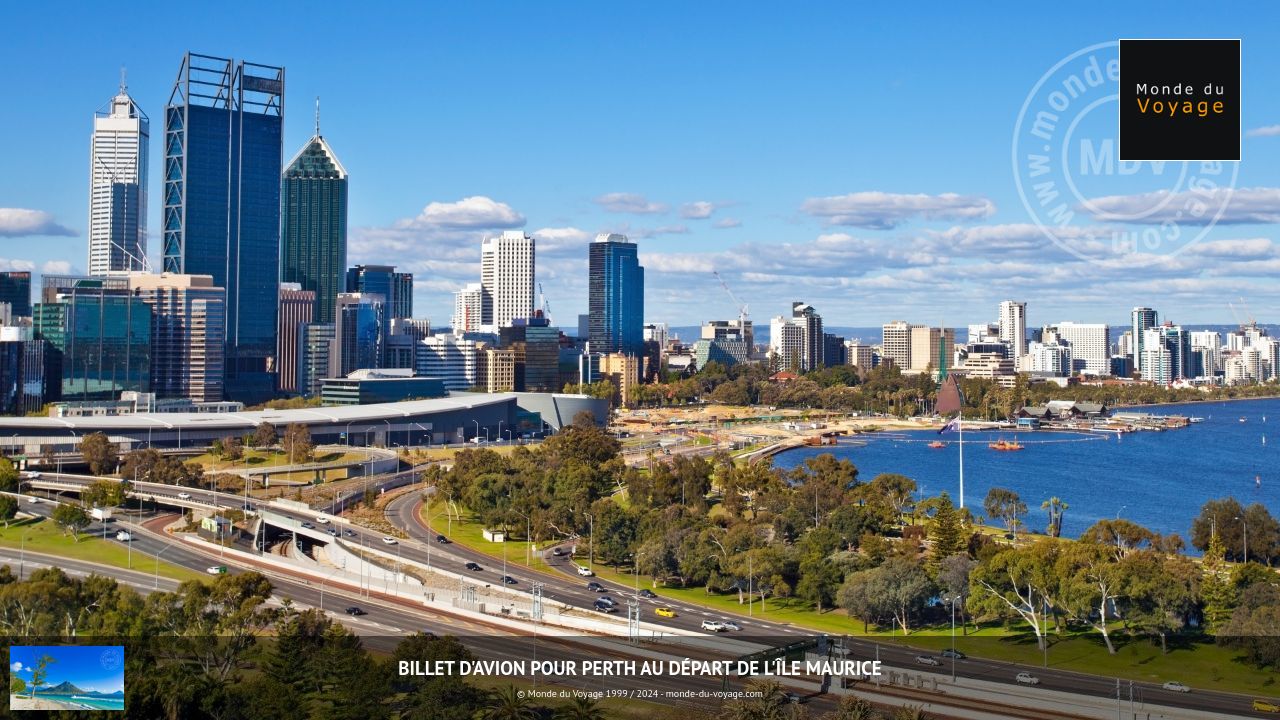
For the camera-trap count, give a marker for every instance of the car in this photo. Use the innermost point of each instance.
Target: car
(712, 626)
(248, 507)
(353, 610)
(474, 567)
(442, 540)
(34, 500)
(927, 660)
(216, 569)
(322, 520)
(1176, 686)
(557, 552)
(730, 625)
(648, 594)
(33, 475)
(349, 533)
(1266, 706)
(584, 571)
(308, 526)
(795, 698)
(949, 653)
(510, 580)
(184, 496)
(665, 612)
(594, 586)
(1026, 678)
(124, 536)
(606, 599)
(604, 607)
(388, 540)
(333, 532)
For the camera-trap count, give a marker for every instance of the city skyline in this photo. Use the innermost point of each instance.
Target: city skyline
(804, 186)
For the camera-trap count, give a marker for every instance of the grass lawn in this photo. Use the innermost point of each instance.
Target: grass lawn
(266, 458)
(46, 537)
(420, 455)
(468, 533)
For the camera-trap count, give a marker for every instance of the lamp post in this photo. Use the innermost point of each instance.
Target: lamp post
(324, 580)
(591, 541)
(1245, 523)
(22, 555)
(162, 552)
(477, 422)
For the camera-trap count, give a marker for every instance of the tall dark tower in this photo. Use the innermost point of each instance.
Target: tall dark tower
(615, 287)
(313, 223)
(222, 162)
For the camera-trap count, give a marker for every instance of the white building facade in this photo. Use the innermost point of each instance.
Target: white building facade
(118, 187)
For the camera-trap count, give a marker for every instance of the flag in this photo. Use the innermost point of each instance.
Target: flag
(952, 426)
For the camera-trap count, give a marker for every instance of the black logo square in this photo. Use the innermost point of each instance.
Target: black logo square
(1180, 100)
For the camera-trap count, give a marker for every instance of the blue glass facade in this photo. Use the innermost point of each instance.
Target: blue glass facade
(313, 225)
(360, 337)
(223, 157)
(615, 300)
(102, 334)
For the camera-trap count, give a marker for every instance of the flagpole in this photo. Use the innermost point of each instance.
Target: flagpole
(960, 427)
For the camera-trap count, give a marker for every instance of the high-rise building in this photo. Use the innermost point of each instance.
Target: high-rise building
(786, 343)
(730, 330)
(468, 308)
(1013, 327)
(15, 289)
(537, 354)
(359, 335)
(222, 170)
(623, 371)
(452, 358)
(1168, 348)
(313, 223)
(402, 344)
(498, 370)
(1141, 318)
(101, 332)
(1051, 359)
(895, 343)
(657, 333)
(118, 186)
(315, 347)
(615, 295)
(395, 289)
(859, 354)
(1208, 344)
(931, 347)
(188, 327)
(1090, 345)
(297, 308)
(507, 265)
(833, 351)
(797, 341)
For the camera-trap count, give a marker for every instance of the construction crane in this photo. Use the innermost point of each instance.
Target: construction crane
(542, 300)
(742, 308)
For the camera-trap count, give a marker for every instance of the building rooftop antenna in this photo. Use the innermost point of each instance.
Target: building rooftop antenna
(317, 116)
(124, 86)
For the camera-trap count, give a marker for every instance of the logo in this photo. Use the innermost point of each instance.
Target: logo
(111, 658)
(1077, 190)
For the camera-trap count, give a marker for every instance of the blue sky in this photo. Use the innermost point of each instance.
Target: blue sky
(805, 152)
(92, 668)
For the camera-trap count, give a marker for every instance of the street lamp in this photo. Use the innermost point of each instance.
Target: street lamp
(1245, 523)
(477, 422)
(324, 580)
(22, 554)
(162, 552)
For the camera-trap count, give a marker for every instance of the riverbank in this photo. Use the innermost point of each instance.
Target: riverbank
(26, 702)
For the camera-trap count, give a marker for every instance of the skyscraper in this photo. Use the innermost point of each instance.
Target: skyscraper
(895, 347)
(359, 335)
(395, 290)
(313, 223)
(1013, 327)
(468, 308)
(101, 332)
(506, 273)
(315, 346)
(222, 171)
(15, 289)
(1142, 318)
(297, 308)
(118, 186)
(615, 302)
(188, 327)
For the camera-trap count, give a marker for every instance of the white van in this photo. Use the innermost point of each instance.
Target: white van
(584, 571)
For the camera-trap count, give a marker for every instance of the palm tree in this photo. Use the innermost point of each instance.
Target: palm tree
(767, 702)
(910, 712)
(1056, 508)
(855, 708)
(581, 708)
(508, 704)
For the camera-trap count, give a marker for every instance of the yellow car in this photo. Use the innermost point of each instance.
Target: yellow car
(1266, 706)
(665, 612)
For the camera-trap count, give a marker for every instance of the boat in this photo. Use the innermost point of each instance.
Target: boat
(1195, 420)
(937, 444)
(1005, 445)
(1244, 420)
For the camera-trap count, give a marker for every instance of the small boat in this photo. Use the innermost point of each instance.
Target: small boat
(937, 444)
(1005, 445)
(1244, 420)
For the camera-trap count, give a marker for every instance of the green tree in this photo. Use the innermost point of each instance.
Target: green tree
(16, 685)
(853, 707)
(819, 581)
(233, 448)
(897, 589)
(764, 700)
(1018, 581)
(891, 491)
(506, 703)
(1123, 536)
(1056, 508)
(71, 518)
(99, 452)
(297, 443)
(1218, 596)
(9, 476)
(40, 673)
(8, 508)
(581, 708)
(104, 493)
(946, 533)
(264, 435)
(1005, 506)
(1160, 593)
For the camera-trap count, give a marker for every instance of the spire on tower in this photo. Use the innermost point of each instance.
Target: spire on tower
(124, 86)
(317, 116)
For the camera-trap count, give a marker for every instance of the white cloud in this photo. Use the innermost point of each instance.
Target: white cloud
(1199, 207)
(1249, 249)
(16, 666)
(699, 210)
(560, 241)
(21, 222)
(1266, 131)
(725, 223)
(881, 210)
(56, 267)
(634, 203)
(26, 265)
(476, 212)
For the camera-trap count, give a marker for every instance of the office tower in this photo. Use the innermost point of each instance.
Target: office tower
(118, 186)
(727, 342)
(1090, 345)
(297, 308)
(895, 343)
(859, 354)
(402, 343)
(188, 334)
(101, 332)
(1209, 344)
(1052, 359)
(395, 289)
(623, 371)
(1141, 318)
(615, 295)
(15, 289)
(1168, 350)
(584, 326)
(730, 330)
(832, 350)
(506, 273)
(931, 347)
(222, 170)
(657, 333)
(359, 337)
(315, 347)
(498, 370)
(797, 341)
(1013, 327)
(468, 308)
(451, 358)
(313, 223)
(537, 353)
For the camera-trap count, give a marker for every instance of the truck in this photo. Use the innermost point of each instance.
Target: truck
(100, 514)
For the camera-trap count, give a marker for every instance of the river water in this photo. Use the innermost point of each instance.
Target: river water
(1157, 479)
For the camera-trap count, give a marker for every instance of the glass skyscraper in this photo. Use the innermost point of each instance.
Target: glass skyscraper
(222, 169)
(102, 333)
(313, 223)
(615, 302)
(360, 335)
(118, 187)
(15, 289)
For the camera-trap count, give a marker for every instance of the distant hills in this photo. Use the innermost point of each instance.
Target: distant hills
(873, 335)
(62, 688)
